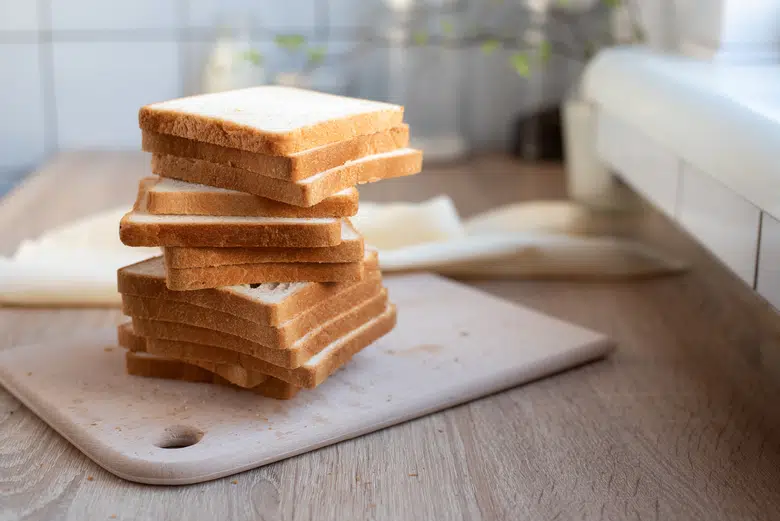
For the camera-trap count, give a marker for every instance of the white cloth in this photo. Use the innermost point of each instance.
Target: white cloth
(76, 264)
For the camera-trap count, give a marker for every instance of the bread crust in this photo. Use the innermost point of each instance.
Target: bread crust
(305, 193)
(226, 130)
(233, 203)
(136, 230)
(282, 336)
(349, 250)
(290, 168)
(147, 279)
(292, 357)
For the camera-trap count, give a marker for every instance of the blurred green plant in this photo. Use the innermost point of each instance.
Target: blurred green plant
(253, 56)
(524, 57)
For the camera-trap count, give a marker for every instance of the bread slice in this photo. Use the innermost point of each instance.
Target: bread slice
(311, 374)
(294, 356)
(278, 337)
(153, 366)
(270, 119)
(290, 168)
(270, 303)
(351, 249)
(307, 192)
(185, 279)
(138, 228)
(173, 197)
(234, 374)
(127, 338)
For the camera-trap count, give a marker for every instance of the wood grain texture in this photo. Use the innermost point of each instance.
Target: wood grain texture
(427, 363)
(680, 423)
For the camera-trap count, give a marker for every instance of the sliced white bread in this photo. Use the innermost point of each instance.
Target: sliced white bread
(270, 303)
(165, 196)
(351, 249)
(291, 168)
(138, 228)
(307, 192)
(269, 119)
(243, 369)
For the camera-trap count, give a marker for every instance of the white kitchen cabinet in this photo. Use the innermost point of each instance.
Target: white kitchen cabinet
(721, 220)
(648, 167)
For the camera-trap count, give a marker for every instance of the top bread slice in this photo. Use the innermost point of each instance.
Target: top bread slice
(165, 196)
(269, 119)
(268, 303)
(290, 168)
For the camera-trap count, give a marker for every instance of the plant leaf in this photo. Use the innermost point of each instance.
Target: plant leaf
(252, 56)
(545, 51)
(290, 42)
(420, 37)
(316, 55)
(611, 3)
(490, 46)
(521, 64)
(447, 28)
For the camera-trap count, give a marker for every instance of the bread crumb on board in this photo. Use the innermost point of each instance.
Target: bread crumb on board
(412, 474)
(90, 478)
(235, 482)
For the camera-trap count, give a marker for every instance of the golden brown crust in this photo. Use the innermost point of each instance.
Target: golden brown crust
(304, 376)
(279, 337)
(291, 168)
(305, 194)
(157, 367)
(184, 279)
(292, 357)
(233, 135)
(177, 257)
(147, 279)
(126, 337)
(238, 203)
(228, 234)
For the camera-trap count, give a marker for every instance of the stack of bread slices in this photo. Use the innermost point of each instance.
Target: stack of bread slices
(264, 283)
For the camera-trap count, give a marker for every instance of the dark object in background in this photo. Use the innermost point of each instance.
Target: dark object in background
(539, 136)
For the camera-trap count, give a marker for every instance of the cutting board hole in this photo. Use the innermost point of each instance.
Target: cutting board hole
(179, 437)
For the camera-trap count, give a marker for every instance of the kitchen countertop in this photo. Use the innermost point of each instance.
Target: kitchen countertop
(721, 118)
(680, 423)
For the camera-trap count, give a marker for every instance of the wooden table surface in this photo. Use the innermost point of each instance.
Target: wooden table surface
(680, 423)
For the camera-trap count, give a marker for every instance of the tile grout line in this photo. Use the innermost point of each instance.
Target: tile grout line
(46, 70)
(132, 35)
(183, 55)
(322, 21)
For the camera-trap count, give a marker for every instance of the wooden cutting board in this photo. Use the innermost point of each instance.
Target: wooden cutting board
(452, 344)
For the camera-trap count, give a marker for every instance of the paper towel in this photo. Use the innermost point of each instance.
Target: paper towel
(76, 264)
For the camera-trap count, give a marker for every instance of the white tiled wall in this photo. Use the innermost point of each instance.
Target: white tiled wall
(135, 72)
(74, 72)
(74, 15)
(299, 16)
(21, 107)
(18, 16)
